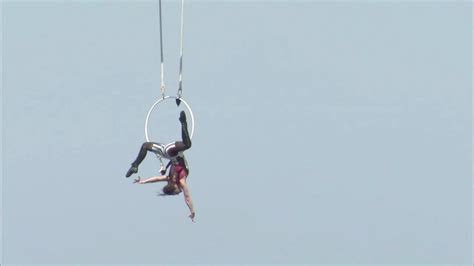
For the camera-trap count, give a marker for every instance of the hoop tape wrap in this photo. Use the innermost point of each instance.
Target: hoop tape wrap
(158, 103)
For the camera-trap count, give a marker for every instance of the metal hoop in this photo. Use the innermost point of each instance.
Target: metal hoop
(161, 100)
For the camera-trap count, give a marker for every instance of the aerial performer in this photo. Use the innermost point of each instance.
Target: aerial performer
(179, 170)
(174, 152)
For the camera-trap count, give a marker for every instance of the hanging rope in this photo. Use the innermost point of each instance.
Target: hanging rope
(180, 82)
(162, 87)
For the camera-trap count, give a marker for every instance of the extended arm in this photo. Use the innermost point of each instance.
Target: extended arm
(152, 179)
(187, 197)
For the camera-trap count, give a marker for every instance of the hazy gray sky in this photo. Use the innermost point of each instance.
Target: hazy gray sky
(327, 132)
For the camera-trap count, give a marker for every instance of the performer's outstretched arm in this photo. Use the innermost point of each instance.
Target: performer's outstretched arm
(151, 180)
(187, 197)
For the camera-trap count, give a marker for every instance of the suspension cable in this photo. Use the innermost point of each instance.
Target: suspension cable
(162, 87)
(180, 82)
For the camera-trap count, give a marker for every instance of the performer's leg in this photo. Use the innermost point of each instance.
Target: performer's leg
(186, 140)
(147, 146)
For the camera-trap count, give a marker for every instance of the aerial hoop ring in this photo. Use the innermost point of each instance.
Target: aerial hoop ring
(162, 99)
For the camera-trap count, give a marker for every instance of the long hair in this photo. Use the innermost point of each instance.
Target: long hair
(169, 190)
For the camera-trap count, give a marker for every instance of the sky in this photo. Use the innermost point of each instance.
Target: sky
(326, 132)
